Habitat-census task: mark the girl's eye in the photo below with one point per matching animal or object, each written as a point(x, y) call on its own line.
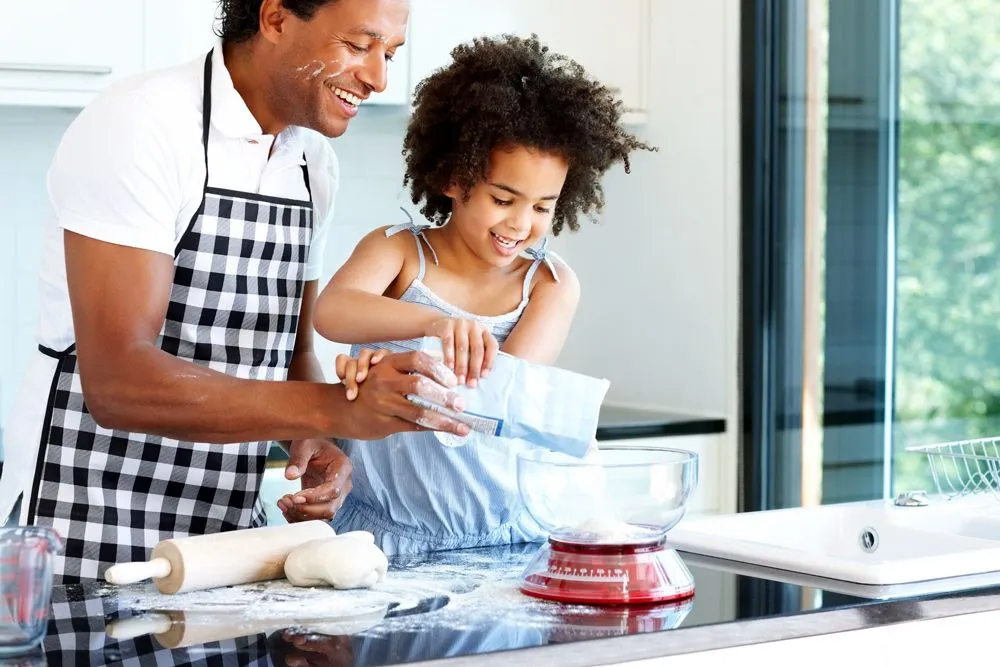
point(501, 202)
point(542, 209)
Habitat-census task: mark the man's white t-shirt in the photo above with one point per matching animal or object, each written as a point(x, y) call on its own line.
point(130, 170)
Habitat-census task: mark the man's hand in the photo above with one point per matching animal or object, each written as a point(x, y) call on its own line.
point(325, 472)
point(305, 649)
point(353, 372)
point(382, 408)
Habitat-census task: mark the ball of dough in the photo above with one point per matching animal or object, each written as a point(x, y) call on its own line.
point(345, 561)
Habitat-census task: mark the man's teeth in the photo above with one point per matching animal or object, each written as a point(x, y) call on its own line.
point(347, 97)
point(506, 242)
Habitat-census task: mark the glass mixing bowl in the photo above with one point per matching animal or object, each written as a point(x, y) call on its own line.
point(618, 495)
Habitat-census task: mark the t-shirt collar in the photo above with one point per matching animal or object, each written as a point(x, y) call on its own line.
point(230, 114)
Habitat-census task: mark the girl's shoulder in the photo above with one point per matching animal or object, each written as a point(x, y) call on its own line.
point(552, 273)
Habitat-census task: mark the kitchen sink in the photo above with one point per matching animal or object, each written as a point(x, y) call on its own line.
point(876, 543)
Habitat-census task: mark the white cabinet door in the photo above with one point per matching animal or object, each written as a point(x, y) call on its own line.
point(438, 26)
point(610, 39)
point(62, 52)
point(177, 31)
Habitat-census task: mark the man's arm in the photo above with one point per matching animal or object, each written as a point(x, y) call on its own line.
point(119, 297)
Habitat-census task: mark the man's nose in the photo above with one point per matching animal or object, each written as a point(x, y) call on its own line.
point(373, 75)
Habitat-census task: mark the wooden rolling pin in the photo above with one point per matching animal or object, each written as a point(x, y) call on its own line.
point(181, 629)
point(221, 559)
point(175, 629)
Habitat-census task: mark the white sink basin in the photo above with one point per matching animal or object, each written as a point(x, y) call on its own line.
point(872, 543)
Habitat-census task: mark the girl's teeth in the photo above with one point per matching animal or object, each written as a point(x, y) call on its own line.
point(505, 242)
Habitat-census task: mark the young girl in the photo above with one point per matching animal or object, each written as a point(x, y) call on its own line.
point(505, 145)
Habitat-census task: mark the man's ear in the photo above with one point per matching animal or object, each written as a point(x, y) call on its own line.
point(272, 20)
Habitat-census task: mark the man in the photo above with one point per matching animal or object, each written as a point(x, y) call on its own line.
point(190, 209)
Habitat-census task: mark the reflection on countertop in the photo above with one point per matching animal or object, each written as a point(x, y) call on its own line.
point(463, 606)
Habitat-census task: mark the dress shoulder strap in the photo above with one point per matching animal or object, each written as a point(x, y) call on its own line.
point(419, 236)
point(539, 255)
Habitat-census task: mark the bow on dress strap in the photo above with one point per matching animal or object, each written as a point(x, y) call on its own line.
point(415, 229)
point(544, 255)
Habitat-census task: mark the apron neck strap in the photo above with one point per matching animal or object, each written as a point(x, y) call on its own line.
point(206, 108)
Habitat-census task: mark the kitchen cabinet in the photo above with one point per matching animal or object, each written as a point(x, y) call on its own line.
point(610, 39)
point(64, 52)
point(176, 31)
point(61, 52)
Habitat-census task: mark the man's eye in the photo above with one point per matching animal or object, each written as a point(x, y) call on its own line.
point(357, 48)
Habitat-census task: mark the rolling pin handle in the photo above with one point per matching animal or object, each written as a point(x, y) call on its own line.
point(131, 573)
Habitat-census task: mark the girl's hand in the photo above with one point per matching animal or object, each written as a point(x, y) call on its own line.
point(353, 372)
point(469, 348)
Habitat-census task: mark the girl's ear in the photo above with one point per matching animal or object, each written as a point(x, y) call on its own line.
point(452, 191)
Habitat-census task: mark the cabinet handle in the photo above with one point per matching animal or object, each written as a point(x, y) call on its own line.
point(95, 70)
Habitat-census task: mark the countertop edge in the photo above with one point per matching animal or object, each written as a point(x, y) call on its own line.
point(618, 650)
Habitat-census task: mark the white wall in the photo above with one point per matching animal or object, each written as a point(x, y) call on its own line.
point(659, 309)
point(658, 315)
point(28, 139)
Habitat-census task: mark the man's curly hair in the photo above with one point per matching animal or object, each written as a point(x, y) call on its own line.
point(512, 91)
point(239, 20)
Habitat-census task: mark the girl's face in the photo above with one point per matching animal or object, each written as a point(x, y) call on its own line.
point(512, 209)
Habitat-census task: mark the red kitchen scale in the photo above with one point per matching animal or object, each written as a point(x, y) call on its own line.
point(608, 574)
point(623, 558)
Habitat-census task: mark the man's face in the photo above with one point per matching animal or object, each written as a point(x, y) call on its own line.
point(326, 66)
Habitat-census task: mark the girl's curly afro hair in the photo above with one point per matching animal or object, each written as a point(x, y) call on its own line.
point(510, 91)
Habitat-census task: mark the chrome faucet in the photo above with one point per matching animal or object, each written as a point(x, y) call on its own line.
point(911, 499)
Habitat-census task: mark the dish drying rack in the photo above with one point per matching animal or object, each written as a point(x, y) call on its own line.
point(964, 467)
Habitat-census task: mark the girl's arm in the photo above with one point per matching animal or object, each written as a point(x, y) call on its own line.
point(352, 309)
point(541, 332)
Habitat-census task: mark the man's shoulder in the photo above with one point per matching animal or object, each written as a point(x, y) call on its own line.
point(168, 100)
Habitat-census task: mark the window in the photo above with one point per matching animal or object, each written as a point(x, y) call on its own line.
point(871, 224)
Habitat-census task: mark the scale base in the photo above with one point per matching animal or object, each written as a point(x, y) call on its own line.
point(639, 574)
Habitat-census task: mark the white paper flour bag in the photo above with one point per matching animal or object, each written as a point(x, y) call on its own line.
point(546, 406)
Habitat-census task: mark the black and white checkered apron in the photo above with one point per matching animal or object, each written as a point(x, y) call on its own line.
point(234, 307)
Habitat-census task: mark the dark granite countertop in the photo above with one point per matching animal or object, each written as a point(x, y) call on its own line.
point(455, 609)
point(619, 423)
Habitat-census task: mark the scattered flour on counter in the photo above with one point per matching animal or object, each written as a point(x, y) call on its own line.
point(605, 530)
point(480, 590)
